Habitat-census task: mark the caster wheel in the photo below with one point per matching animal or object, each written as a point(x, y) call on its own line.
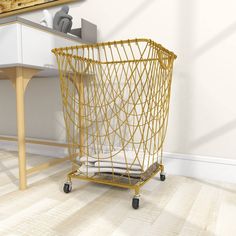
point(162, 177)
point(135, 203)
point(67, 187)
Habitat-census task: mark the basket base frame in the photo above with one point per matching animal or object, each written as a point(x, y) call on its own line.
point(136, 187)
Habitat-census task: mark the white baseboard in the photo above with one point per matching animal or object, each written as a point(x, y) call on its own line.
point(43, 150)
point(201, 167)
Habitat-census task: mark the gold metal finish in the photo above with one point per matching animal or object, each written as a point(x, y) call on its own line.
point(116, 104)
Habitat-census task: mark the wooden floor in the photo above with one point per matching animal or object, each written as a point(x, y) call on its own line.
point(178, 206)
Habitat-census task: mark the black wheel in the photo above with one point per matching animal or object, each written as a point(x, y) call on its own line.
point(67, 188)
point(162, 177)
point(135, 203)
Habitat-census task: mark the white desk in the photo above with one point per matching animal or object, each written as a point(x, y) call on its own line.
point(25, 52)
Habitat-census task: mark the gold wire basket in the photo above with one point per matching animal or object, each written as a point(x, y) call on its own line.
point(116, 103)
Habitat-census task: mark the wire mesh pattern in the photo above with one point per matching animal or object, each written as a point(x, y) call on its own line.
point(116, 103)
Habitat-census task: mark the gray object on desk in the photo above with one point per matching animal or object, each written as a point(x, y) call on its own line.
point(87, 32)
point(62, 20)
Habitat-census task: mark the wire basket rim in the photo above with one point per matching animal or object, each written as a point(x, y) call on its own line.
point(60, 51)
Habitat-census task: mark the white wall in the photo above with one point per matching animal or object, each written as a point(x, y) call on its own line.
point(203, 35)
point(43, 111)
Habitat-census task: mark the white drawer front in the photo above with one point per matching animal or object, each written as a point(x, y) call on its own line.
point(37, 46)
point(10, 44)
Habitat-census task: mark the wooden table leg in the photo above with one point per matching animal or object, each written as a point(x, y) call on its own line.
point(20, 77)
point(21, 127)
